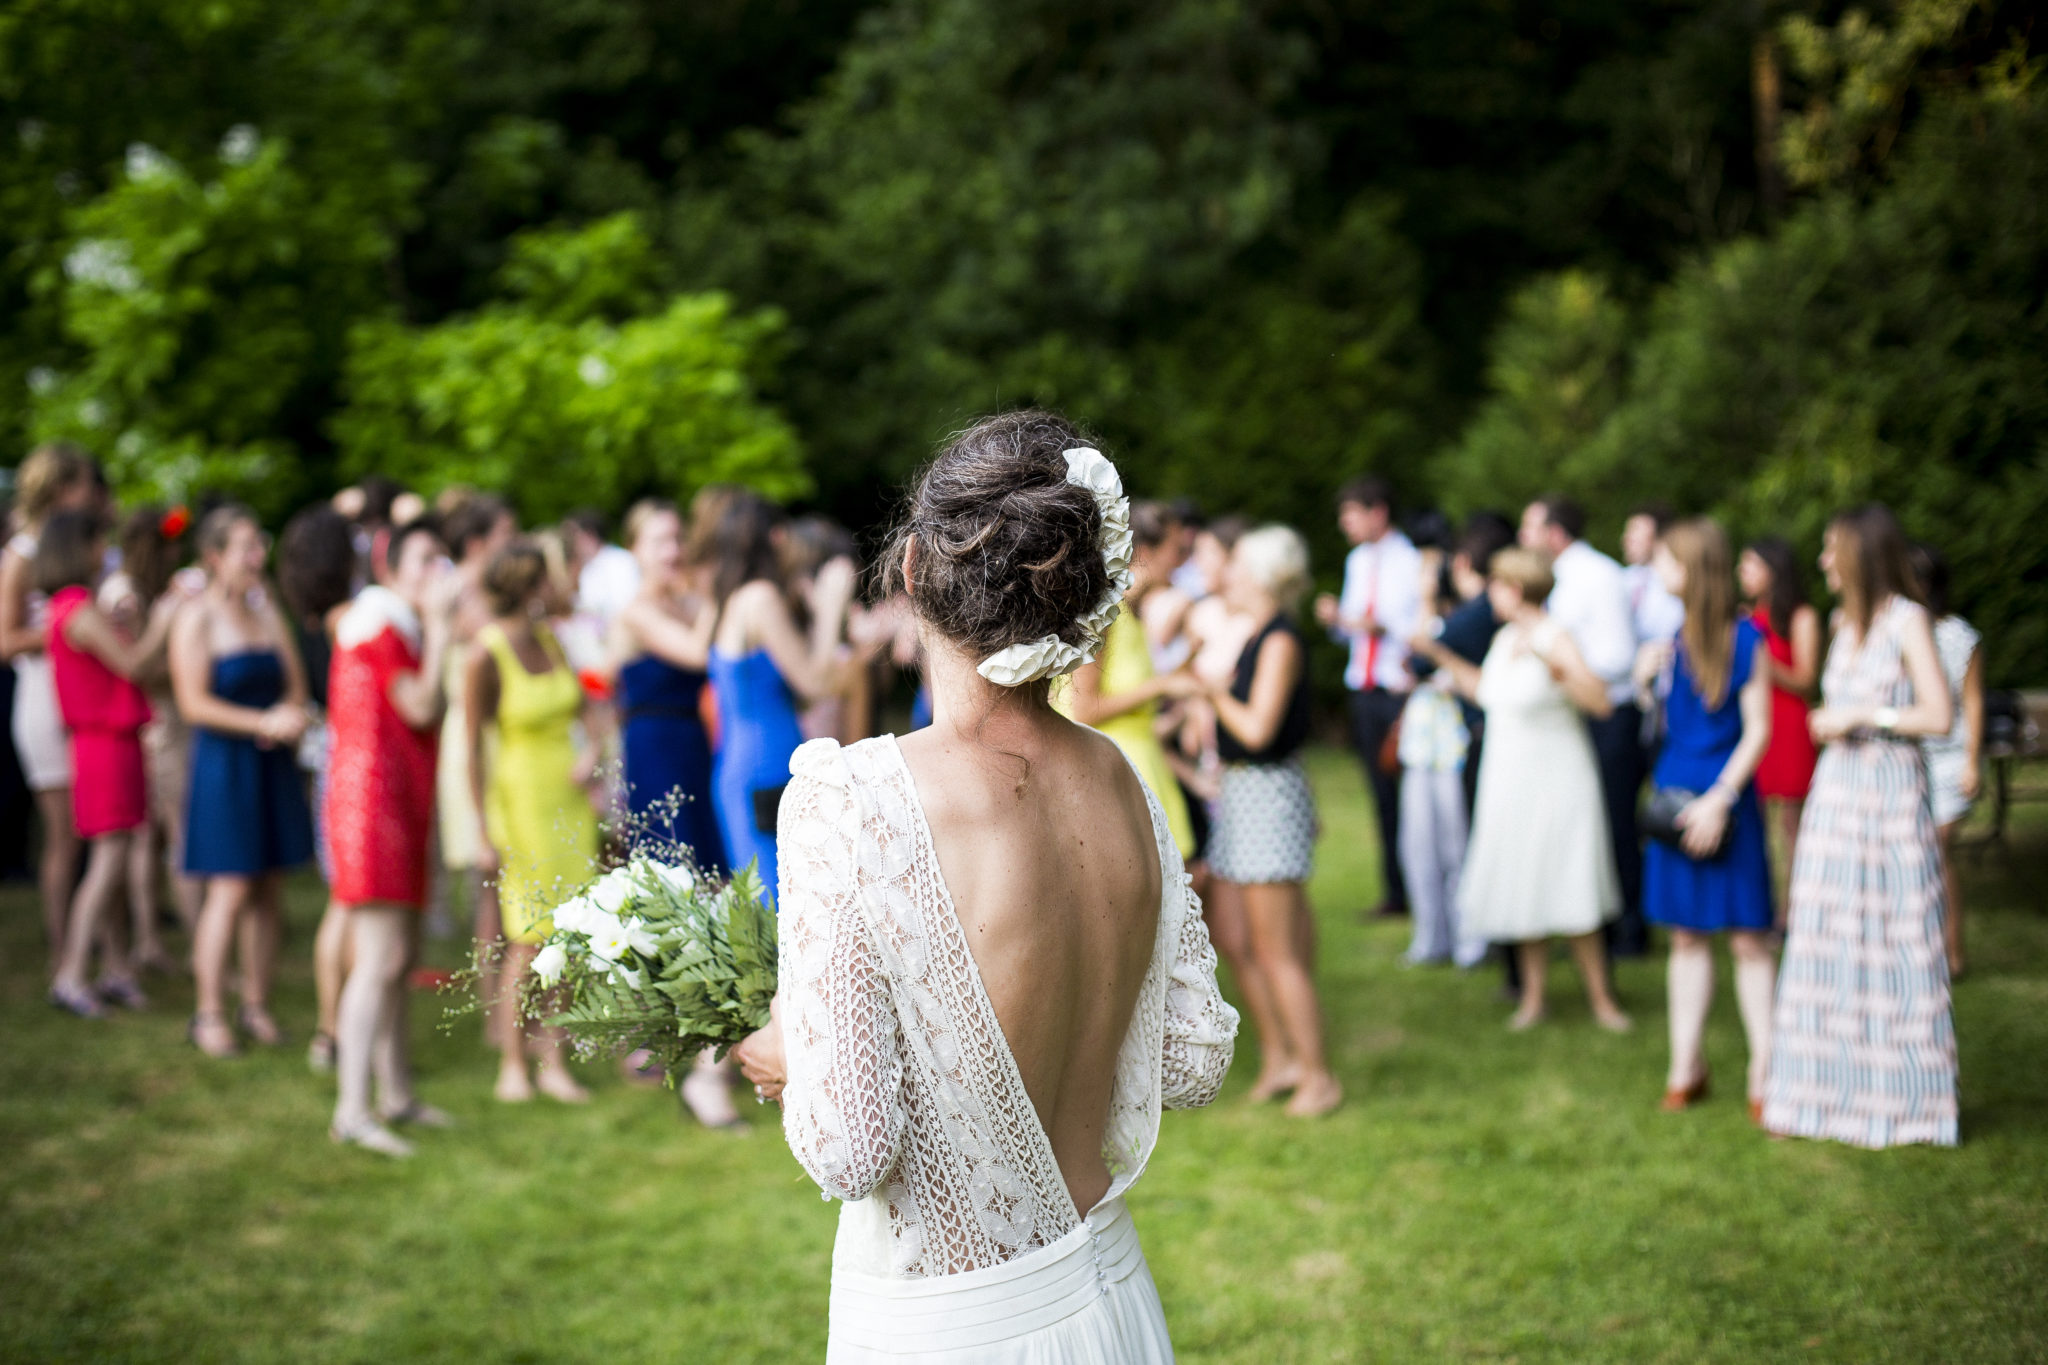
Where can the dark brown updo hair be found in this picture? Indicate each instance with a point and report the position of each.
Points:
(513, 576)
(152, 547)
(316, 562)
(1007, 549)
(68, 551)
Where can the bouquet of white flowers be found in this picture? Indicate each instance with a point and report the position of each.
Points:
(652, 956)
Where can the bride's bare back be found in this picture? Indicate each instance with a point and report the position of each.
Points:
(1045, 842)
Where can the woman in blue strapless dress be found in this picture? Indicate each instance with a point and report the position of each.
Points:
(1717, 726)
(240, 686)
(762, 662)
(663, 638)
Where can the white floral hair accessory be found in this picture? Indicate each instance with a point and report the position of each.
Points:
(1049, 656)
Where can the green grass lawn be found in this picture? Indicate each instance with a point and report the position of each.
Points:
(1481, 1196)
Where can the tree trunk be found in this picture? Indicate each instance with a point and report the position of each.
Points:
(1765, 89)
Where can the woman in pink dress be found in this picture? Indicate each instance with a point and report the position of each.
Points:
(93, 665)
(384, 704)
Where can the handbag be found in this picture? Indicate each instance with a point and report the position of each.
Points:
(1659, 820)
(1388, 759)
(767, 805)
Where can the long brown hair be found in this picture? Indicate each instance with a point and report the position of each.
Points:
(1787, 592)
(732, 529)
(1871, 560)
(1701, 548)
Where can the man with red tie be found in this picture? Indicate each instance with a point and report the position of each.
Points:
(1377, 613)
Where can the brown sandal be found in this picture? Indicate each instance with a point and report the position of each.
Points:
(224, 1045)
(257, 1022)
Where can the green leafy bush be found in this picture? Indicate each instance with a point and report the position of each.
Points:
(207, 315)
(562, 396)
(1893, 348)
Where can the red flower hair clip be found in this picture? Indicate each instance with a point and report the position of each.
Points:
(174, 524)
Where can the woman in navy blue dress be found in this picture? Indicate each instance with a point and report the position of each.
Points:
(1717, 878)
(664, 639)
(764, 657)
(240, 686)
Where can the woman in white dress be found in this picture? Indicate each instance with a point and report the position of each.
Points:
(54, 478)
(1539, 865)
(994, 976)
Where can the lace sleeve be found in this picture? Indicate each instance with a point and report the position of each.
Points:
(1201, 1027)
(842, 1108)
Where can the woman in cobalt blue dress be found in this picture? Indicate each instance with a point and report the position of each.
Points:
(1717, 727)
(664, 638)
(240, 686)
(763, 659)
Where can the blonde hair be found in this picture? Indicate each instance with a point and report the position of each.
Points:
(1701, 548)
(1526, 571)
(642, 512)
(49, 471)
(1276, 557)
(555, 554)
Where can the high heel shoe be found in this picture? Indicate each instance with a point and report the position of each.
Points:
(257, 1022)
(122, 991)
(223, 1045)
(82, 1003)
(1685, 1097)
(371, 1136)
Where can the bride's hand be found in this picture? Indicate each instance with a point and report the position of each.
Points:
(760, 1056)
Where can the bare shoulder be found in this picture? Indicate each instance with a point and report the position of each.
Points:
(754, 597)
(1076, 770)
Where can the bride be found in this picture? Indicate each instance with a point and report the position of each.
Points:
(994, 974)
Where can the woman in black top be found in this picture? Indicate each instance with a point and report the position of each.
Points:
(1265, 825)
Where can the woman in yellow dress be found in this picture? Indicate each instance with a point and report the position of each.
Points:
(1119, 694)
(540, 831)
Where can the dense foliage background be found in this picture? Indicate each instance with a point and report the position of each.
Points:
(1755, 256)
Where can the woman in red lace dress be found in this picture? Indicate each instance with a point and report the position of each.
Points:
(384, 702)
(1768, 572)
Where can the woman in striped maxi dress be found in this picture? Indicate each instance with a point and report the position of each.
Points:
(1865, 1049)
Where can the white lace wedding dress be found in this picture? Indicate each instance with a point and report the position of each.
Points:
(958, 1240)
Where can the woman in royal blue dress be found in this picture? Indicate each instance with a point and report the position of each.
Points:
(239, 684)
(765, 657)
(663, 640)
(1717, 877)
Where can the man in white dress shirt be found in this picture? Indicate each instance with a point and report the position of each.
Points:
(1591, 602)
(1658, 615)
(1377, 614)
(607, 575)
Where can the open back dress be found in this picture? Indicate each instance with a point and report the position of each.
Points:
(958, 1240)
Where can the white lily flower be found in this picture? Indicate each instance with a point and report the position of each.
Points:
(550, 962)
(639, 938)
(613, 890)
(574, 915)
(608, 940)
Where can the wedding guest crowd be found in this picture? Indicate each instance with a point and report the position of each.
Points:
(447, 712)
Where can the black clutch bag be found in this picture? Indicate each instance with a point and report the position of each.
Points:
(1659, 820)
(767, 805)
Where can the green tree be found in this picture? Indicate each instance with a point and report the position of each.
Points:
(567, 393)
(1555, 374)
(1892, 349)
(206, 316)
